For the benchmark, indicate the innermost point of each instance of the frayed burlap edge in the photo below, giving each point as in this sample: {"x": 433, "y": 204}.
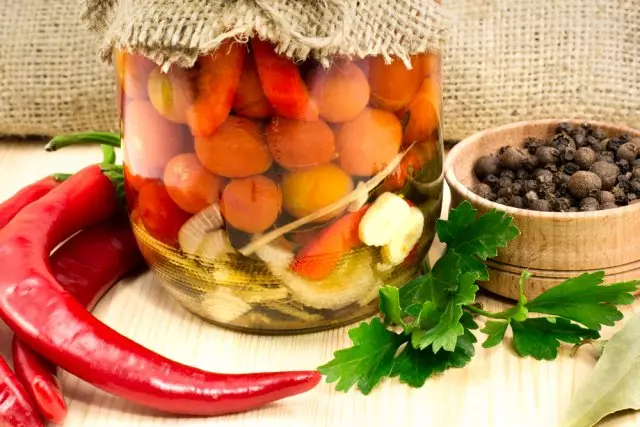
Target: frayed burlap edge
{"x": 177, "y": 32}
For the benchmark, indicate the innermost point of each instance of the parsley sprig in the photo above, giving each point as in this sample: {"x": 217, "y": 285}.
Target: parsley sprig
{"x": 428, "y": 324}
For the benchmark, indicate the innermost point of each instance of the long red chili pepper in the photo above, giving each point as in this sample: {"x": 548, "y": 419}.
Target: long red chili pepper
{"x": 30, "y": 193}
{"x": 82, "y": 345}
{"x": 16, "y": 407}
{"x": 86, "y": 266}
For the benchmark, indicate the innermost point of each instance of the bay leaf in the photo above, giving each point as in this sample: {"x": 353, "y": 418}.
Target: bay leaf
{"x": 613, "y": 383}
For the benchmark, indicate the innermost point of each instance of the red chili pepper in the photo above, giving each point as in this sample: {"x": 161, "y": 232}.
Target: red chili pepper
{"x": 30, "y": 193}
{"x": 16, "y": 407}
{"x": 87, "y": 278}
{"x": 82, "y": 345}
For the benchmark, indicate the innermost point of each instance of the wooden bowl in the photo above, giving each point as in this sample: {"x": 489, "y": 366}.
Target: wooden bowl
{"x": 552, "y": 246}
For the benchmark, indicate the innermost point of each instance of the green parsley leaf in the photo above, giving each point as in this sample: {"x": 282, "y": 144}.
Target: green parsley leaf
{"x": 444, "y": 334}
{"x": 540, "y": 337}
{"x": 585, "y": 299}
{"x": 496, "y": 331}
{"x": 368, "y": 361}
{"x": 433, "y": 286}
{"x": 390, "y": 306}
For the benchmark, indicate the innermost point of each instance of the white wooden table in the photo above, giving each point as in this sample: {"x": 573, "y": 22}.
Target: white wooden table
{"x": 496, "y": 389}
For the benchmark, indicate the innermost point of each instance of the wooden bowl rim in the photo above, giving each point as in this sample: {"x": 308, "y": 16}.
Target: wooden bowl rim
{"x": 455, "y": 184}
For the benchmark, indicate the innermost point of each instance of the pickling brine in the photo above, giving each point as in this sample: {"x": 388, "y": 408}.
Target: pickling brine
{"x": 275, "y": 196}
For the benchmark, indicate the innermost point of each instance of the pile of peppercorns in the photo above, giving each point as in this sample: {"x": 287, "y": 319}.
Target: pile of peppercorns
{"x": 578, "y": 169}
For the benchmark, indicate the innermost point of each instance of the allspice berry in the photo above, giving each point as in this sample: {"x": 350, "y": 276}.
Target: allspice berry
{"x": 512, "y": 157}
{"x": 608, "y": 205}
{"x": 584, "y": 184}
{"x": 607, "y": 172}
{"x": 627, "y": 151}
{"x": 517, "y": 202}
{"x": 547, "y": 155}
{"x": 482, "y": 190}
{"x": 585, "y": 158}
{"x": 540, "y": 205}
{"x": 606, "y": 197}
{"x": 589, "y": 204}
{"x": 486, "y": 165}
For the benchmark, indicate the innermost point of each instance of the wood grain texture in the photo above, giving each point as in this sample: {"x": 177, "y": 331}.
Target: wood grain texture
{"x": 552, "y": 243}
{"x": 496, "y": 389}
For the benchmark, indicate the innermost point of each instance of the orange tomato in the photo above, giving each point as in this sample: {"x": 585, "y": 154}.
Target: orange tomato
{"x": 341, "y": 92}
{"x": 369, "y": 142}
{"x": 250, "y": 100}
{"x": 393, "y": 85}
{"x": 309, "y": 190}
{"x": 237, "y": 149}
{"x": 191, "y": 186}
{"x": 171, "y": 93}
{"x": 216, "y": 85}
{"x": 149, "y": 141}
{"x": 132, "y": 72}
{"x": 161, "y": 217}
{"x": 297, "y": 144}
{"x": 251, "y": 204}
{"x": 424, "y": 112}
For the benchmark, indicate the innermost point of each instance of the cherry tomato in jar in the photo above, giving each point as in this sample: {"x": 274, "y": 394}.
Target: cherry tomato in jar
{"x": 251, "y": 204}
{"x": 191, "y": 186}
{"x": 297, "y": 144}
{"x": 161, "y": 217}
{"x": 393, "y": 85}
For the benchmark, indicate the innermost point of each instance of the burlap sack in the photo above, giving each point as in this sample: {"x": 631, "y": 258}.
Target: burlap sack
{"x": 509, "y": 60}
{"x": 51, "y": 79}
{"x": 170, "y": 31}
{"x": 505, "y": 60}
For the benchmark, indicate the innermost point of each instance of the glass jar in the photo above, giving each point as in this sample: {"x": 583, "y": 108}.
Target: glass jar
{"x": 273, "y": 196}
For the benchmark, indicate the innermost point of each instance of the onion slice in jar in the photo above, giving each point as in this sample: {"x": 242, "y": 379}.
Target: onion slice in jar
{"x": 193, "y": 232}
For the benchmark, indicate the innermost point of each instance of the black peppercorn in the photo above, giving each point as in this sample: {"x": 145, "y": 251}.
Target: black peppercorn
{"x": 620, "y": 195}
{"x": 532, "y": 144}
{"x": 614, "y": 144}
{"x": 530, "y": 162}
{"x": 522, "y": 174}
{"x": 530, "y": 196}
{"x": 505, "y": 182}
{"x": 491, "y": 197}
{"x": 585, "y": 157}
{"x": 635, "y": 186}
{"x": 573, "y": 209}
{"x": 481, "y": 189}
{"x": 596, "y": 144}
{"x": 517, "y": 202}
{"x": 501, "y": 201}
{"x": 605, "y": 156}
{"x": 584, "y": 184}
{"x": 627, "y": 151}
{"x": 504, "y": 193}
{"x": 608, "y": 205}
{"x": 517, "y": 188}
{"x": 589, "y": 204}
{"x": 564, "y": 127}
{"x": 623, "y": 165}
{"x": 512, "y": 157}
{"x": 606, "y": 196}
{"x": 486, "y": 165}
{"x": 607, "y": 172}
{"x": 530, "y": 185}
{"x": 569, "y": 151}
{"x": 508, "y": 174}
{"x": 540, "y": 205}
{"x": 551, "y": 167}
{"x": 579, "y": 135}
{"x": 543, "y": 176}
{"x": 561, "y": 204}
{"x": 547, "y": 155}
{"x": 624, "y": 183}
{"x": 597, "y": 133}
{"x": 491, "y": 179}
{"x": 570, "y": 168}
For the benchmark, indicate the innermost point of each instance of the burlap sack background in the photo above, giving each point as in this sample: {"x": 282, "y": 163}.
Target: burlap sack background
{"x": 506, "y": 60}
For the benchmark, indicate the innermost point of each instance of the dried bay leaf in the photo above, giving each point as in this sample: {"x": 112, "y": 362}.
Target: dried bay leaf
{"x": 613, "y": 384}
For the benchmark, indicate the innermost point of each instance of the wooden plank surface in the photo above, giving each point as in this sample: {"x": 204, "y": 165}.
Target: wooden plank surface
{"x": 496, "y": 389}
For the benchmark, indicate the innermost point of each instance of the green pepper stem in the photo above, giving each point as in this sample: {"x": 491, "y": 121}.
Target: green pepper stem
{"x": 106, "y": 138}
{"x": 108, "y": 154}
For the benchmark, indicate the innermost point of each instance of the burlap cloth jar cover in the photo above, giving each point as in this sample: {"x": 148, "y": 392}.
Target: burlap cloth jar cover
{"x": 505, "y": 60}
